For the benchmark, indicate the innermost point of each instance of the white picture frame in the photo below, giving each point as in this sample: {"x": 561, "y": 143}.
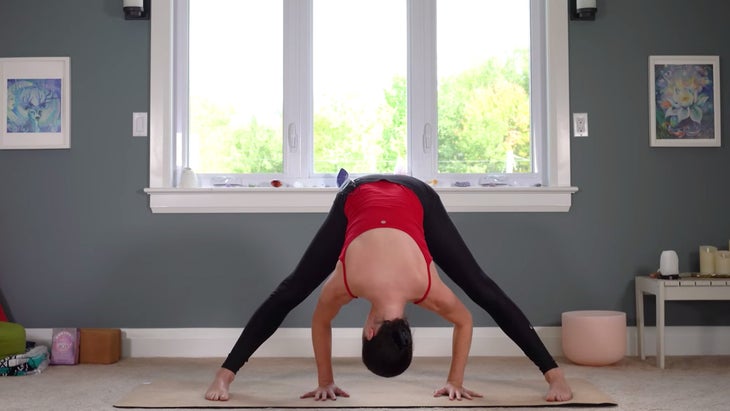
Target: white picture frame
{"x": 35, "y": 103}
{"x": 684, "y": 101}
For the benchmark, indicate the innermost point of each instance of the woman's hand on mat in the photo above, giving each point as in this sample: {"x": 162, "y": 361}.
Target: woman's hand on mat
{"x": 325, "y": 393}
{"x": 456, "y": 392}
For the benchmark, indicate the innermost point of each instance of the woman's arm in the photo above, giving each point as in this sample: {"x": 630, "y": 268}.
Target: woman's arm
{"x": 328, "y": 305}
{"x": 445, "y": 303}
{"x": 322, "y": 318}
{"x": 461, "y": 343}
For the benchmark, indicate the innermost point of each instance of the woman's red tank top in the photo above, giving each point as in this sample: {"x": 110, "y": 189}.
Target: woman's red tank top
{"x": 384, "y": 204}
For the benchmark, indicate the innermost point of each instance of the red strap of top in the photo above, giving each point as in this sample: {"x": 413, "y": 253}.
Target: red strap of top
{"x": 428, "y": 288}
{"x": 347, "y": 286}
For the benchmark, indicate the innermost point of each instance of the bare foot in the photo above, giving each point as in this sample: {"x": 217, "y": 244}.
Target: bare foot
{"x": 218, "y": 390}
{"x": 559, "y": 389}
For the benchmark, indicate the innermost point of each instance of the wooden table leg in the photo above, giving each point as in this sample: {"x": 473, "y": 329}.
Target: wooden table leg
{"x": 640, "y": 320}
{"x": 660, "y": 327}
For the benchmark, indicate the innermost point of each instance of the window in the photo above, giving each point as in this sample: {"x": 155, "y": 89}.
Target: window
{"x": 359, "y": 70}
{"x": 293, "y": 90}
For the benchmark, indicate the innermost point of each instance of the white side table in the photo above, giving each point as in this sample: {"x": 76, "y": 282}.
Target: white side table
{"x": 686, "y": 288}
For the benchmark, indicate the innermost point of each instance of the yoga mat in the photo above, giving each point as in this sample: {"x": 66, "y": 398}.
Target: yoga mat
{"x": 281, "y": 389}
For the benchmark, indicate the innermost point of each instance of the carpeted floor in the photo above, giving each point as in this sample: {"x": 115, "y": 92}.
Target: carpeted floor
{"x": 689, "y": 383}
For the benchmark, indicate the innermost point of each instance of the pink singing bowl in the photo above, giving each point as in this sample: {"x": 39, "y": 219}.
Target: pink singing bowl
{"x": 594, "y": 337}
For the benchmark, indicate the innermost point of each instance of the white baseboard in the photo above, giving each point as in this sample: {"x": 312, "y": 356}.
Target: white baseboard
{"x": 346, "y": 342}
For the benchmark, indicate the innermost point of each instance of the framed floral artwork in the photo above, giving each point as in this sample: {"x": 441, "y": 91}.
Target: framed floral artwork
{"x": 684, "y": 101}
{"x": 35, "y": 103}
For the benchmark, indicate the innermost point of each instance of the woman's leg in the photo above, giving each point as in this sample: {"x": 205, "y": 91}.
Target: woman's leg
{"x": 316, "y": 264}
{"x": 453, "y": 256}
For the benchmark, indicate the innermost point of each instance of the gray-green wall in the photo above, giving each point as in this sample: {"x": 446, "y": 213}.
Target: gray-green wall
{"x": 79, "y": 246}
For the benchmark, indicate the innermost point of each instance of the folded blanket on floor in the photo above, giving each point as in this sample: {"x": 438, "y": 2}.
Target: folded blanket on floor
{"x": 31, "y": 362}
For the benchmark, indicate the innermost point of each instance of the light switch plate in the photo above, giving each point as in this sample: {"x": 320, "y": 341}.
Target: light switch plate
{"x": 139, "y": 124}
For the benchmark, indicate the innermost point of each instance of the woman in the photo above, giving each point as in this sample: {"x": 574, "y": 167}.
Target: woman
{"x": 380, "y": 241}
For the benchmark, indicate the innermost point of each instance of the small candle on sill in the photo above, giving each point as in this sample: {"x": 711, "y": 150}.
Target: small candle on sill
{"x": 722, "y": 262}
{"x": 707, "y": 259}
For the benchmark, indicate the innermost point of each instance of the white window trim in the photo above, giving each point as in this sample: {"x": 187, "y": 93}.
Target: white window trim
{"x": 164, "y": 198}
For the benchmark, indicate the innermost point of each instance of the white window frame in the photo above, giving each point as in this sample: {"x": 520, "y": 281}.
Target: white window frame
{"x": 555, "y": 196}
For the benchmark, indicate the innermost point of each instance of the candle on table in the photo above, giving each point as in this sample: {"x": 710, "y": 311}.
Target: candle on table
{"x": 722, "y": 262}
{"x": 707, "y": 259}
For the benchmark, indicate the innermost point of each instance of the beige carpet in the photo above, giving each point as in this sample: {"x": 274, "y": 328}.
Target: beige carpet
{"x": 688, "y": 383}
{"x": 282, "y": 388}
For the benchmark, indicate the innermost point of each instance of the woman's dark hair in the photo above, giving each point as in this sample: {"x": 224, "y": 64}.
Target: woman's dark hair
{"x": 390, "y": 351}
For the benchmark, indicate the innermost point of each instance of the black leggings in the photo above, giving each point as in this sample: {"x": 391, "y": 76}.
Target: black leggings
{"x": 447, "y": 248}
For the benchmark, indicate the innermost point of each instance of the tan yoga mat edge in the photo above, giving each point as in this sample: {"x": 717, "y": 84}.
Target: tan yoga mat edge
{"x": 404, "y": 393}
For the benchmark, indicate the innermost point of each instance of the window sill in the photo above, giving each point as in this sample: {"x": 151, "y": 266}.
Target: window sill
{"x": 319, "y": 200}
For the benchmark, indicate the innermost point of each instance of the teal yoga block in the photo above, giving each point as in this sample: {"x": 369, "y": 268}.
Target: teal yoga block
{"x": 12, "y": 339}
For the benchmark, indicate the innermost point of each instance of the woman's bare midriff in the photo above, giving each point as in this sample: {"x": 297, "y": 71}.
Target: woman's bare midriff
{"x": 386, "y": 260}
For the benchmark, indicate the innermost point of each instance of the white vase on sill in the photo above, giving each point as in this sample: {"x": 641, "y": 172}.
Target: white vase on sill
{"x": 188, "y": 179}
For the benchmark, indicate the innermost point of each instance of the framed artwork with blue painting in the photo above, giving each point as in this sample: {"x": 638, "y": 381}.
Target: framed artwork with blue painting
{"x": 35, "y": 103}
{"x": 684, "y": 101}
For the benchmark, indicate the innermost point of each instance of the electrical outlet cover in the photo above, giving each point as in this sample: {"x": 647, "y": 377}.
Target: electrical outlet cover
{"x": 580, "y": 124}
